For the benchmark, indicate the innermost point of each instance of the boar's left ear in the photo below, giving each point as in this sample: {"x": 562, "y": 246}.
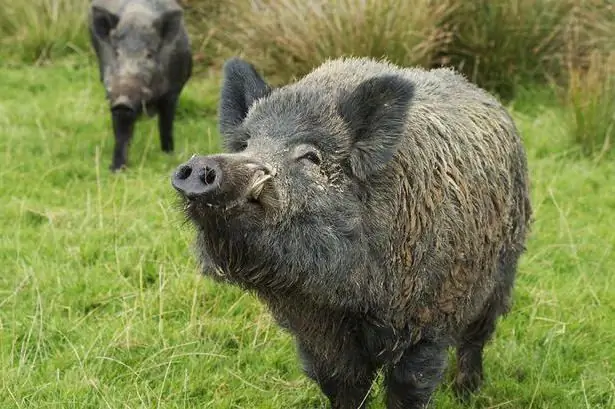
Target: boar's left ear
{"x": 375, "y": 113}
{"x": 103, "y": 21}
{"x": 241, "y": 87}
{"x": 169, "y": 23}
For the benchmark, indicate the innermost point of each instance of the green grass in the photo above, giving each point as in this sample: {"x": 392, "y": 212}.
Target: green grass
{"x": 101, "y": 305}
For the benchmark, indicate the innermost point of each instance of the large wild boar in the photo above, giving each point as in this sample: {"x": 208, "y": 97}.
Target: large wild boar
{"x": 378, "y": 211}
{"x": 145, "y": 59}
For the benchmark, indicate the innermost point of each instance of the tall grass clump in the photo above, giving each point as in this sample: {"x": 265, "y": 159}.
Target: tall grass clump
{"x": 591, "y": 27}
{"x": 499, "y": 44}
{"x": 288, "y": 38}
{"x": 35, "y": 30}
{"x": 591, "y": 99}
{"x": 202, "y": 23}
{"x": 589, "y": 92}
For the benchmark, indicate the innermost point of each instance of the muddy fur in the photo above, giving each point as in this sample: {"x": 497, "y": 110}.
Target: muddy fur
{"x": 144, "y": 59}
{"x": 399, "y": 240}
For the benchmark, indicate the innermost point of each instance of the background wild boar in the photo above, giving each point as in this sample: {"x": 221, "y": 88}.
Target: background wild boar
{"x": 379, "y": 212}
{"x": 145, "y": 59}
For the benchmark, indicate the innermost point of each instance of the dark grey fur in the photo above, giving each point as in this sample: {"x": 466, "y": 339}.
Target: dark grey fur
{"x": 145, "y": 59}
{"x": 379, "y": 212}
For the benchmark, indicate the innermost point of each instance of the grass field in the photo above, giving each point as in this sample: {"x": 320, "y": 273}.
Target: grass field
{"x": 101, "y": 305}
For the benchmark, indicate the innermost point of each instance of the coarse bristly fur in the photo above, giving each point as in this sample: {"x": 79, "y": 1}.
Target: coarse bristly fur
{"x": 145, "y": 59}
{"x": 390, "y": 230}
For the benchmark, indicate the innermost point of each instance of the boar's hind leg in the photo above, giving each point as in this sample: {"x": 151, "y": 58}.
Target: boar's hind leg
{"x": 123, "y": 128}
{"x": 166, "y": 116}
{"x": 469, "y": 375}
{"x": 411, "y": 382}
{"x": 346, "y": 390}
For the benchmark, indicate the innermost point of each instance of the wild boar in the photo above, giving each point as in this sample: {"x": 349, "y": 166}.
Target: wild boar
{"x": 144, "y": 59}
{"x": 378, "y": 211}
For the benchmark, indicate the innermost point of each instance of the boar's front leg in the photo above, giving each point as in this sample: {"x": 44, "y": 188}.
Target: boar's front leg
{"x": 167, "y": 106}
{"x": 411, "y": 382}
{"x": 123, "y": 127}
{"x": 349, "y": 388}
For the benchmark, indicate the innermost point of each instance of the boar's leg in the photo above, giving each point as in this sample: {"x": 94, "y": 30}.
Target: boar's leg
{"x": 123, "y": 127}
{"x": 411, "y": 382}
{"x": 348, "y": 390}
{"x": 469, "y": 376}
{"x": 166, "y": 116}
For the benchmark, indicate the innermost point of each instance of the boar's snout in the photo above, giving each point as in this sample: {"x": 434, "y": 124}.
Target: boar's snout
{"x": 197, "y": 179}
{"x": 124, "y": 107}
{"x": 221, "y": 179}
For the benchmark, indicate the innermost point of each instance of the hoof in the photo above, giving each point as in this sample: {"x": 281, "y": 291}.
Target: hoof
{"x": 117, "y": 169}
{"x": 465, "y": 386}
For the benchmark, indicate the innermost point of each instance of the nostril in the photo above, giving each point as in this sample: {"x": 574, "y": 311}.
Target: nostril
{"x": 184, "y": 172}
{"x": 209, "y": 175}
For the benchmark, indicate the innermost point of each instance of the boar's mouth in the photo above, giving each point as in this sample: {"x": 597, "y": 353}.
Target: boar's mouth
{"x": 254, "y": 194}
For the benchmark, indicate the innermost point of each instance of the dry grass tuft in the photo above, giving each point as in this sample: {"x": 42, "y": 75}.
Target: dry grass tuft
{"x": 287, "y": 38}
{"x": 591, "y": 100}
{"x": 589, "y": 84}
{"x": 499, "y": 44}
{"x": 37, "y": 30}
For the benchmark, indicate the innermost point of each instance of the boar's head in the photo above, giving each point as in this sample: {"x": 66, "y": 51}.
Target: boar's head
{"x": 135, "y": 44}
{"x": 289, "y": 195}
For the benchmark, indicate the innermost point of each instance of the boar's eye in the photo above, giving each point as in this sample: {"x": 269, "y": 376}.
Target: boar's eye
{"x": 308, "y": 154}
{"x": 240, "y": 146}
{"x": 312, "y": 157}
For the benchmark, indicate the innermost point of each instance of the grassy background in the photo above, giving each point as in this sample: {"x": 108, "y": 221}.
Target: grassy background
{"x": 100, "y": 302}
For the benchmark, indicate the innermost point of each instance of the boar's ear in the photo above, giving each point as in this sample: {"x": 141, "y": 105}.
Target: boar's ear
{"x": 241, "y": 87}
{"x": 103, "y": 21}
{"x": 375, "y": 113}
{"x": 169, "y": 24}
